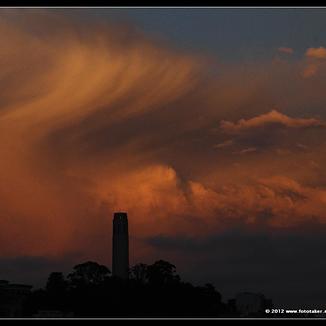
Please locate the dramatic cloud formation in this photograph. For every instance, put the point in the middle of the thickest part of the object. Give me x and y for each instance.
(99, 117)
(52, 82)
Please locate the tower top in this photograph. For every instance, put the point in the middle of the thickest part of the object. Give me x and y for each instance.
(120, 215)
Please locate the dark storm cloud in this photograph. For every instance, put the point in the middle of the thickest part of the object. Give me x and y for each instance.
(286, 265)
(34, 270)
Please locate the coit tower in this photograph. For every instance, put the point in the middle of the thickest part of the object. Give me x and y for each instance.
(120, 246)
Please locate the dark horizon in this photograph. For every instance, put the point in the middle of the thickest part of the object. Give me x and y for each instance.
(220, 279)
(91, 290)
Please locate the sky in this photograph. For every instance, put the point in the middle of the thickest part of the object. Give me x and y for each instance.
(206, 125)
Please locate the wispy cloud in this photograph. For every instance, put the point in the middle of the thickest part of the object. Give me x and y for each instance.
(247, 150)
(96, 118)
(286, 50)
(272, 117)
(226, 143)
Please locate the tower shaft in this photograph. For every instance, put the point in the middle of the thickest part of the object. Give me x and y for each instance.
(120, 246)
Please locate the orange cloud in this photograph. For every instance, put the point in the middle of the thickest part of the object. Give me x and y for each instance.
(277, 201)
(310, 70)
(272, 117)
(315, 62)
(318, 53)
(54, 79)
(98, 118)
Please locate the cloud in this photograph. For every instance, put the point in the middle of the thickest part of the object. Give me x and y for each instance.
(275, 201)
(58, 76)
(98, 117)
(270, 118)
(318, 53)
(314, 64)
(226, 143)
(286, 50)
(310, 70)
(247, 150)
(244, 260)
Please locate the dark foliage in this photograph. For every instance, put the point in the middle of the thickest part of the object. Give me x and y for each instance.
(151, 291)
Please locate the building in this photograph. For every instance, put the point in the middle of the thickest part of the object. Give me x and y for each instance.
(251, 304)
(120, 246)
(53, 314)
(12, 297)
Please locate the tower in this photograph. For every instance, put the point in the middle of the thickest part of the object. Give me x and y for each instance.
(120, 246)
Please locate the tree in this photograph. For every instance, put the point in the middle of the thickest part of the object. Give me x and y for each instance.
(210, 292)
(88, 273)
(56, 283)
(139, 273)
(162, 272)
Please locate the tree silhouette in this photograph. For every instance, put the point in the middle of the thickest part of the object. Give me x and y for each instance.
(88, 273)
(56, 291)
(162, 272)
(154, 290)
(56, 283)
(139, 273)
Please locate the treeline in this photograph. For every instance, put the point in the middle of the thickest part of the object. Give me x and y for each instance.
(151, 291)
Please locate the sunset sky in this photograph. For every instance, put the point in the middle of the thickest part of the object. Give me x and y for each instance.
(208, 126)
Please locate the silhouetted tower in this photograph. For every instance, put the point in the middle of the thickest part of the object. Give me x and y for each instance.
(120, 246)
